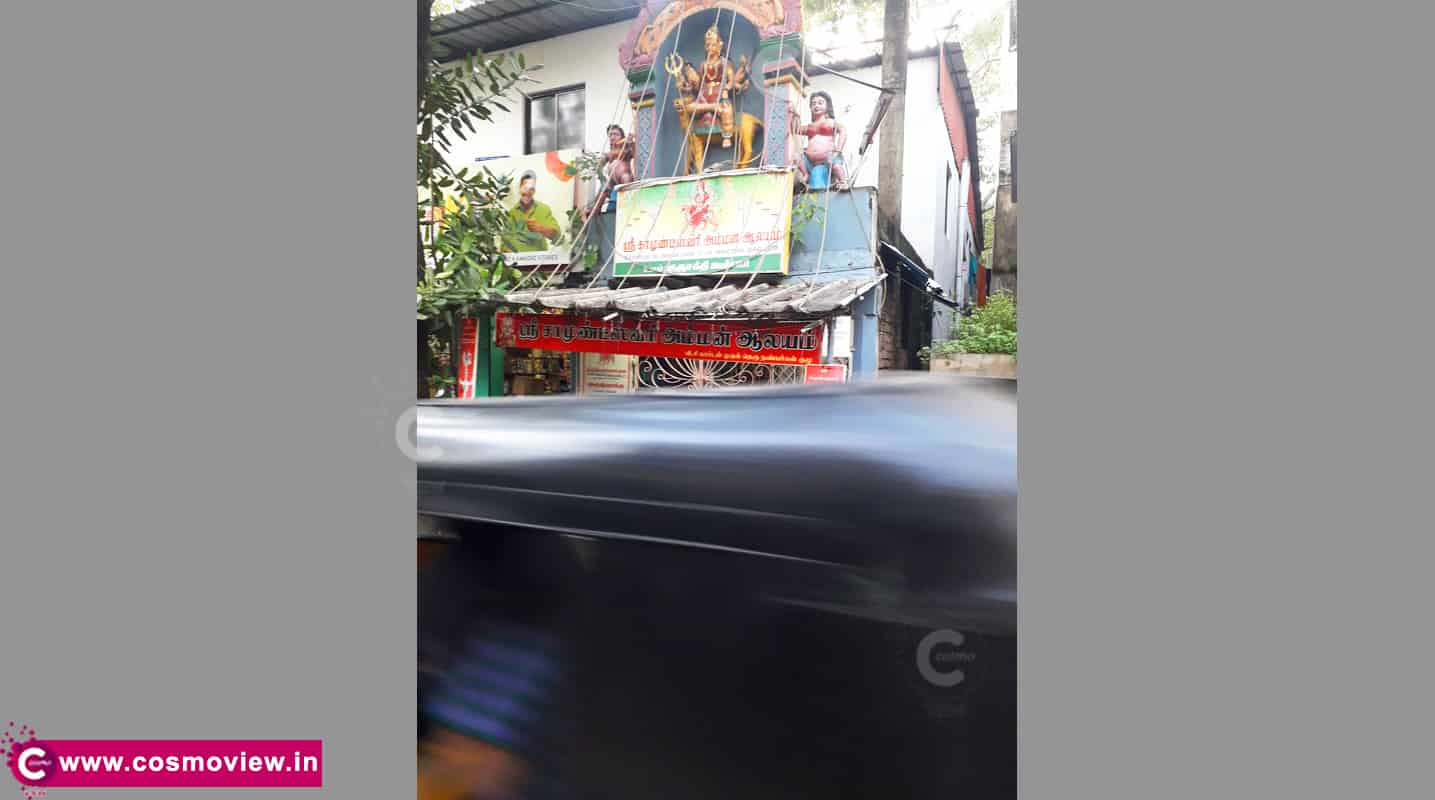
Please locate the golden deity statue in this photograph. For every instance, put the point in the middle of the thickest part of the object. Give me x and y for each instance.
(707, 96)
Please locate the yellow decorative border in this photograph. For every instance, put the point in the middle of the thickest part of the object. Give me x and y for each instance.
(761, 13)
(796, 84)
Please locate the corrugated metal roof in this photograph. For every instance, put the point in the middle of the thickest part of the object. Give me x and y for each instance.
(791, 298)
(500, 24)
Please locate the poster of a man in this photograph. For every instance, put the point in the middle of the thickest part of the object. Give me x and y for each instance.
(543, 189)
(531, 222)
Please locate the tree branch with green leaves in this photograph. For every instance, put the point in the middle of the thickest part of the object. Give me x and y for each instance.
(460, 210)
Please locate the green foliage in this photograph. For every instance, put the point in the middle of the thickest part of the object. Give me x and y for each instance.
(587, 166)
(822, 13)
(589, 258)
(467, 266)
(990, 329)
(514, 234)
(805, 208)
(982, 49)
(439, 374)
(441, 385)
(461, 216)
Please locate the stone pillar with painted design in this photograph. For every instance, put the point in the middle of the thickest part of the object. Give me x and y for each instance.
(784, 86)
(642, 95)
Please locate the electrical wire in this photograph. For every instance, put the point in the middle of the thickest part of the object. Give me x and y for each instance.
(578, 239)
(652, 153)
(646, 167)
(781, 41)
(724, 77)
(682, 151)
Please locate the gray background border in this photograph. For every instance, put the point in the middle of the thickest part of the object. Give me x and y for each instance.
(208, 337)
(206, 522)
(1223, 588)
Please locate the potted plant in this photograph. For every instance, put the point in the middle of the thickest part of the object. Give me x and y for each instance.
(984, 343)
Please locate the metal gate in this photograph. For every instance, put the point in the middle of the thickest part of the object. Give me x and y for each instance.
(690, 373)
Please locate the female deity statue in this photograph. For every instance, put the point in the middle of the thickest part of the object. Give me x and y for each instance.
(706, 102)
(617, 169)
(718, 80)
(699, 212)
(825, 139)
(618, 161)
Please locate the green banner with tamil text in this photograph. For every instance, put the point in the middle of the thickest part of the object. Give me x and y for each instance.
(727, 222)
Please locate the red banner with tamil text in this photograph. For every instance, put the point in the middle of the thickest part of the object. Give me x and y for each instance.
(826, 373)
(756, 342)
(468, 357)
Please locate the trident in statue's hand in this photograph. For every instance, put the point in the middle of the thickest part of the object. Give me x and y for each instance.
(673, 64)
(683, 73)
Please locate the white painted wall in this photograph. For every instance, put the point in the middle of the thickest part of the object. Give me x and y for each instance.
(1008, 62)
(927, 154)
(587, 57)
(924, 148)
(947, 247)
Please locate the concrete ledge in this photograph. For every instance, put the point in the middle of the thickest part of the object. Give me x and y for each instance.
(980, 364)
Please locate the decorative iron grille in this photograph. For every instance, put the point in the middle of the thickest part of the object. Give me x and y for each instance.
(691, 373)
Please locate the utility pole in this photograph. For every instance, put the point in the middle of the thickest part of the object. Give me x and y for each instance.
(889, 175)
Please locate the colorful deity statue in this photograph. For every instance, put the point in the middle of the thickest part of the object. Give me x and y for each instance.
(617, 169)
(706, 103)
(820, 163)
(718, 81)
(709, 90)
(618, 161)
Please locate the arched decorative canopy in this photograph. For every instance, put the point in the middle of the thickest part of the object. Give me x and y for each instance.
(773, 18)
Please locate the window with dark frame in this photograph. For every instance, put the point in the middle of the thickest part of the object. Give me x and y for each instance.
(554, 120)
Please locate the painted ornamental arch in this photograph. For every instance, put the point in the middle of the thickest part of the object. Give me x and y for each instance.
(776, 72)
(773, 18)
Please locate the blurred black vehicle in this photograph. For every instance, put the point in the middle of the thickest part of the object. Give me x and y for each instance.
(788, 592)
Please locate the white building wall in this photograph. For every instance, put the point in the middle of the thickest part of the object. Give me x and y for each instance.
(589, 58)
(1008, 61)
(946, 261)
(924, 148)
(926, 157)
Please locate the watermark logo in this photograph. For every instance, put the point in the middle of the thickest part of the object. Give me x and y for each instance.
(410, 446)
(39, 766)
(943, 667)
(940, 671)
(34, 763)
(31, 761)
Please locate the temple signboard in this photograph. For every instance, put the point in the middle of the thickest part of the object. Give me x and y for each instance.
(722, 223)
(751, 342)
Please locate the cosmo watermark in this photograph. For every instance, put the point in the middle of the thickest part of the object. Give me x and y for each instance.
(410, 447)
(944, 661)
(943, 668)
(38, 766)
